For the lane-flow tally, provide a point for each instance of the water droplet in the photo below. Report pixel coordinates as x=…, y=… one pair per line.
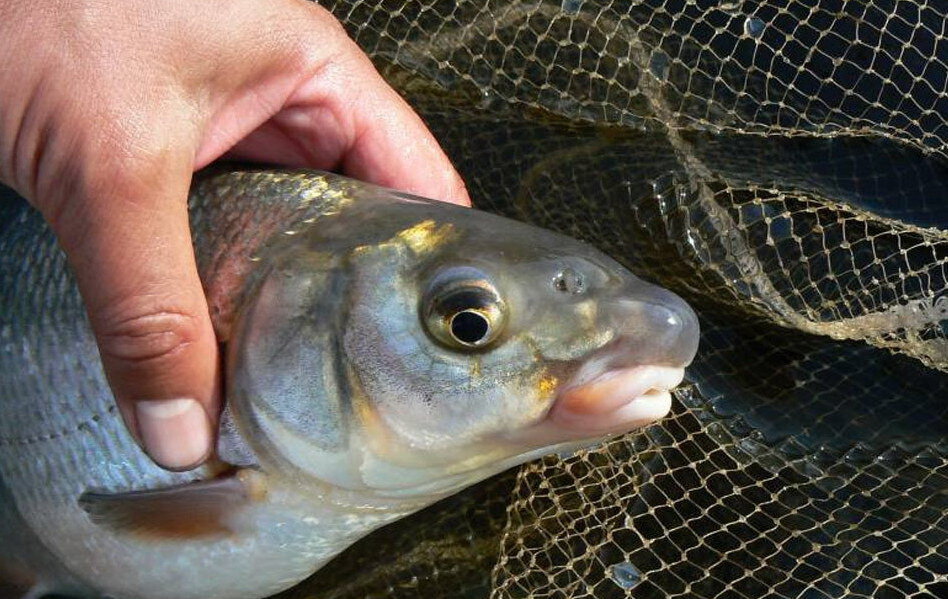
x=792, y=448
x=625, y=575
x=687, y=394
x=811, y=469
x=692, y=241
x=662, y=203
x=659, y=195
x=751, y=447
x=658, y=64
x=660, y=187
x=858, y=454
x=684, y=193
x=718, y=432
x=571, y=7
x=754, y=27
x=929, y=458
x=489, y=100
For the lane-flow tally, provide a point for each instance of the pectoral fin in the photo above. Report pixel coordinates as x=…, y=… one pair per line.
x=194, y=510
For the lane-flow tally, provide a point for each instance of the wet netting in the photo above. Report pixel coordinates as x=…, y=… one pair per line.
x=784, y=166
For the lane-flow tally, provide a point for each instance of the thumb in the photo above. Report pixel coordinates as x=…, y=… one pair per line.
x=128, y=240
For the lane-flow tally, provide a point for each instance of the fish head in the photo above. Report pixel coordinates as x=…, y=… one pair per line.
x=409, y=348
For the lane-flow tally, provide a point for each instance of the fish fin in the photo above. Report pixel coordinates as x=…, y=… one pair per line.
x=193, y=510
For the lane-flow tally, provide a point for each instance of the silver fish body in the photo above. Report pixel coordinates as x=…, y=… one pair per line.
x=383, y=351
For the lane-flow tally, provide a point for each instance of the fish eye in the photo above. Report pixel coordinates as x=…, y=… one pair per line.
x=463, y=310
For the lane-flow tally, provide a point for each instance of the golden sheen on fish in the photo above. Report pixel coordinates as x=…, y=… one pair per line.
x=383, y=351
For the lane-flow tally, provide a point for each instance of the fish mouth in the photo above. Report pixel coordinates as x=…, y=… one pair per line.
x=582, y=414
x=617, y=401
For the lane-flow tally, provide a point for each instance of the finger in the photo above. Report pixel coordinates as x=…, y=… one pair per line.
x=346, y=116
x=393, y=147
x=396, y=150
x=126, y=235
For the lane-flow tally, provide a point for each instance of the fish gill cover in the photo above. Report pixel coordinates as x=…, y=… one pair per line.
x=784, y=166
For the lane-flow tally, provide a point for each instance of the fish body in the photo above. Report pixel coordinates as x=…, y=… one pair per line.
x=383, y=351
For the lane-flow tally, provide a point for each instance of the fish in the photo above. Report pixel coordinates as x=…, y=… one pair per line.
x=382, y=351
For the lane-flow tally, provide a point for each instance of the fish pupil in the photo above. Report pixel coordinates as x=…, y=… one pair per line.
x=469, y=327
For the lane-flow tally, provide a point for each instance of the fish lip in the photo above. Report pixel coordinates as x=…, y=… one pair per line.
x=647, y=378
x=616, y=401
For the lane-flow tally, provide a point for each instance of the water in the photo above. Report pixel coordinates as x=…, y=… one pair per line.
x=625, y=575
x=659, y=65
x=754, y=27
x=571, y=7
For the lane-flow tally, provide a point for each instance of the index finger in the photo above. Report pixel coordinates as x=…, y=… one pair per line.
x=344, y=115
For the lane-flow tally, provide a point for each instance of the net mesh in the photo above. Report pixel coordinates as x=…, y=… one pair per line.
x=784, y=166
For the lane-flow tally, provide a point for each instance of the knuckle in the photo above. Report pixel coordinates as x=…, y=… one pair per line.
x=152, y=339
x=318, y=37
x=322, y=17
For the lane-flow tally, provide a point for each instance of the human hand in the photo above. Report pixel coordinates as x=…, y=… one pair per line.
x=106, y=109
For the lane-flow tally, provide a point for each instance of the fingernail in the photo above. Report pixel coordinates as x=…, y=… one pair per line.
x=175, y=432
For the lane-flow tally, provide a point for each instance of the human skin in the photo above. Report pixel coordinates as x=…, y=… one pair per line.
x=106, y=110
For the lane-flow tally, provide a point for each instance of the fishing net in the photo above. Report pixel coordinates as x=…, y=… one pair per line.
x=784, y=166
